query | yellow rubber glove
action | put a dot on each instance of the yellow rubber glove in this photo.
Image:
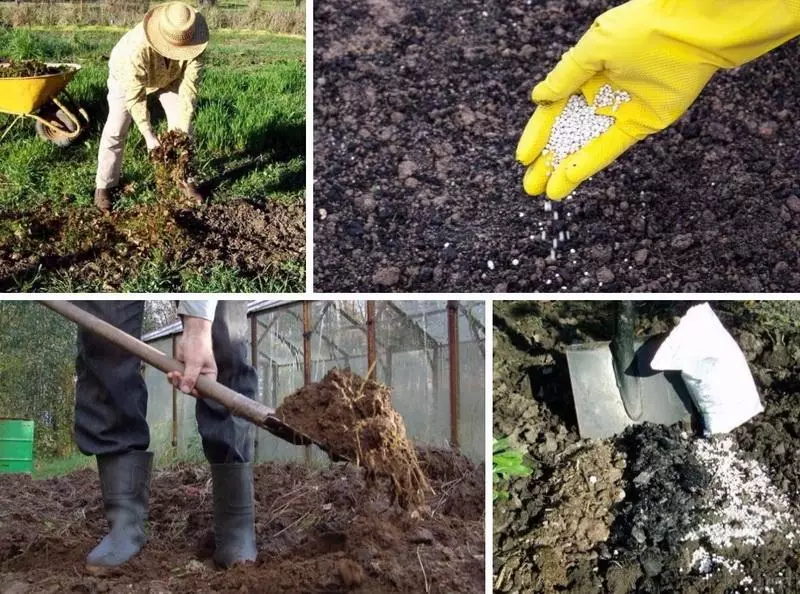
(662, 53)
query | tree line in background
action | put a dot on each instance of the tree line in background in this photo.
(37, 373)
(37, 369)
(274, 16)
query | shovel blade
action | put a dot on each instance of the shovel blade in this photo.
(598, 402)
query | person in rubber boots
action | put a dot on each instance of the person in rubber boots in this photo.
(160, 56)
(111, 424)
(661, 53)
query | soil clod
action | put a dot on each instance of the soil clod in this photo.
(354, 418)
(172, 161)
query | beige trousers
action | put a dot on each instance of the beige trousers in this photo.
(112, 142)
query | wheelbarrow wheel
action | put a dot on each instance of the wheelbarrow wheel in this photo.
(58, 137)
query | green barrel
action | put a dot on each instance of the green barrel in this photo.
(16, 446)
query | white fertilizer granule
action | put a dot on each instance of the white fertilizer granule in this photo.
(579, 123)
(706, 563)
(744, 505)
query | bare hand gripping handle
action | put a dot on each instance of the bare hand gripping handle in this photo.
(239, 405)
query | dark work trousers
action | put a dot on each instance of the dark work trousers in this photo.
(111, 395)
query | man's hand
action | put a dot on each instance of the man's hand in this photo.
(195, 350)
(151, 141)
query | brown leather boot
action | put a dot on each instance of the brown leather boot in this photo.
(102, 200)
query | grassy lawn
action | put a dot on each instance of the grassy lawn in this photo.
(60, 466)
(53, 467)
(250, 135)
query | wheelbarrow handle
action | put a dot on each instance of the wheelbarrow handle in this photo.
(239, 405)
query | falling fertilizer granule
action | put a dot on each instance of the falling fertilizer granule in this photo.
(354, 418)
(579, 123)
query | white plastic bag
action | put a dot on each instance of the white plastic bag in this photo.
(713, 368)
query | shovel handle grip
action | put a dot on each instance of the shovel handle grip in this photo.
(239, 405)
(623, 356)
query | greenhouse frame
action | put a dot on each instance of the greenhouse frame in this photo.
(431, 353)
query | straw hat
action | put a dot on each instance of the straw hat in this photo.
(176, 30)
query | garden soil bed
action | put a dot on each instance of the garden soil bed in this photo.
(317, 530)
(418, 109)
(614, 515)
(89, 247)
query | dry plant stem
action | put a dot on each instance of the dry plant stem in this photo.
(424, 575)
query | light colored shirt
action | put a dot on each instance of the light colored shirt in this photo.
(198, 309)
(139, 70)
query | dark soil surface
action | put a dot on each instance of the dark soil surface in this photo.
(318, 531)
(626, 503)
(26, 68)
(353, 417)
(418, 109)
(106, 250)
(660, 507)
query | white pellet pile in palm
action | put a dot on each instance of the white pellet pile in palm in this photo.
(579, 123)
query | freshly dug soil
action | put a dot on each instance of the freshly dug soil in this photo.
(317, 531)
(669, 492)
(354, 418)
(87, 246)
(172, 161)
(584, 489)
(417, 117)
(25, 68)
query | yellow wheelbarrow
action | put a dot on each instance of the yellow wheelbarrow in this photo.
(58, 121)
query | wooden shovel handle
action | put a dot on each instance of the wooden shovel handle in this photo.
(239, 405)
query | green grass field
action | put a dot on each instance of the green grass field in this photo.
(249, 129)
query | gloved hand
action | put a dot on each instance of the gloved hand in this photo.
(662, 53)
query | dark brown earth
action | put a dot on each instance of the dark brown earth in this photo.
(25, 68)
(353, 417)
(318, 531)
(106, 250)
(418, 109)
(533, 408)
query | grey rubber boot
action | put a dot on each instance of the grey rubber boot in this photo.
(125, 483)
(234, 514)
